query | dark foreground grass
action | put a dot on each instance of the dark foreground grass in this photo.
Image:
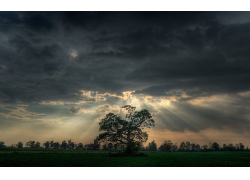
(83, 158)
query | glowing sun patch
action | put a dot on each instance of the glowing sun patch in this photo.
(74, 54)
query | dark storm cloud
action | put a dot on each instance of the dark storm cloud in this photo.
(217, 62)
(39, 23)
(151, 52)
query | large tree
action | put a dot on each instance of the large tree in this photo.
(128, 131)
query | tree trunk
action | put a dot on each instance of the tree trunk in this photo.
(129, 145)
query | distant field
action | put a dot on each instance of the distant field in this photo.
(91, 158)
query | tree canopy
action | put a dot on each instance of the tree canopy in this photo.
(127, 131)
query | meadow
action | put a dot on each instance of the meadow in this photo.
(99, 158)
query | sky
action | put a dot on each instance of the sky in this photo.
(61, 72)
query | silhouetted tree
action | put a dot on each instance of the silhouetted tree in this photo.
(194, 147)
(64, 145)
(2, 144)
(197, 147)
(128, 131)
(71, 145)
(215, 146)
(56, 145)
(205, 147)
(175, 147)
(19, 145)
(33, 144)
(182, 146)
(37, 145)
(188, 146)
(166, 146)
(230, 147)
(224, 147)
(241, 146)
(30, 144)
(51, 143)
(79, 146)
(46, 144)
(152, 146)
(89, 146)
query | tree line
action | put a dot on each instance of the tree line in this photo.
(166, 146)
(54, 145)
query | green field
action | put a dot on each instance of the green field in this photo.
(99, 158)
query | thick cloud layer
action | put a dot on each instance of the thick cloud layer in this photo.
(52, 57)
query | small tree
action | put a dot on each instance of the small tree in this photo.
(152, 146)
(56, 145)
(215, 146)
(89, 146)
(197, 147)
(30, 144)
(51, 143)
(2, 144)
(128, 131)
(19, 145)
(188, 146)
(175, 147)
(37, 145)
(79, 146)
(46, 144)
(241, 146)
(182, 146)
(166, 146)
(71, 145)
(205, 147)
(64, 145)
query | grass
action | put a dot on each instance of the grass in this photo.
(91, 158)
